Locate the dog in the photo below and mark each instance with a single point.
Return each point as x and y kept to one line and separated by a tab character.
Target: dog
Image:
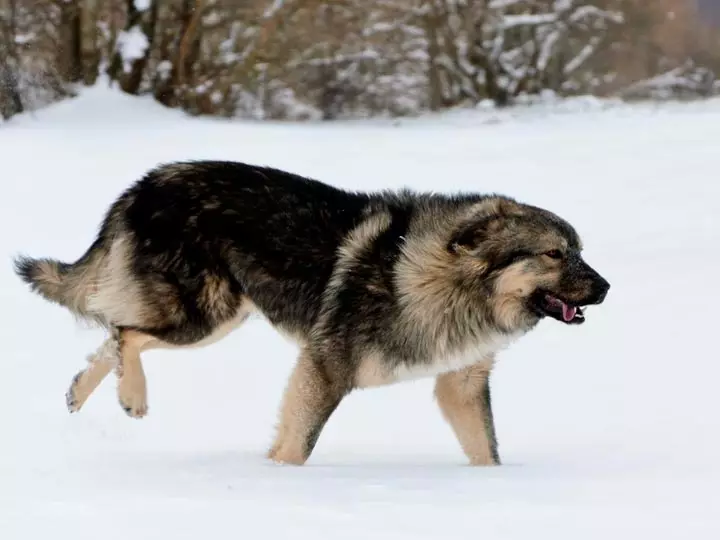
375	288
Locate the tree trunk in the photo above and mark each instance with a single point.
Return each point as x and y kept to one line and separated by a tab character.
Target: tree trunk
70	41
89	53
131	79
434	81
170	91
10	99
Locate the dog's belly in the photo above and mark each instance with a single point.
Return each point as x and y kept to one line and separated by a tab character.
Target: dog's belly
228	326
378	370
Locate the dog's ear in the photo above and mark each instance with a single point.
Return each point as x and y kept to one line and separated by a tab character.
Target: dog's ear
469	236
485	222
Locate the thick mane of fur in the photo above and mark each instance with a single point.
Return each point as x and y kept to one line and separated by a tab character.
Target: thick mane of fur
445	297
435	312
375	288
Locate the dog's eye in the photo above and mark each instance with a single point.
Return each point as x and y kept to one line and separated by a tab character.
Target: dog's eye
554	254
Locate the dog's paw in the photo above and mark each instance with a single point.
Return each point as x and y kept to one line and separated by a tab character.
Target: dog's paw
73	401
290	461
285	456
484	462
134	409
133	399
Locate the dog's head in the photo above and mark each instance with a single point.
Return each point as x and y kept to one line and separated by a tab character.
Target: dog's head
531	261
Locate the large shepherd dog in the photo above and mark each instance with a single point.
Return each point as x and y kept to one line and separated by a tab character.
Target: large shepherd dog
375	288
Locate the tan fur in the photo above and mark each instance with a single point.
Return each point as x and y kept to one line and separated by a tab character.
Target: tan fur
489	206
50	274
172	172
512	287
307	403
242	314
132	387
124	356
515	281
426	274
373	368
216	297
423	280
101	363
358	239
295	337
459	396
71	289
376	289
434	308
116	297
372	372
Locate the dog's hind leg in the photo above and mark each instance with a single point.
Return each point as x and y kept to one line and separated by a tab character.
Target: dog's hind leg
121	351
132	385
101	363
464	400
310	399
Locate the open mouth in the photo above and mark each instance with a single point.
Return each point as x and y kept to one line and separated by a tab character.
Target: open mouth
550	305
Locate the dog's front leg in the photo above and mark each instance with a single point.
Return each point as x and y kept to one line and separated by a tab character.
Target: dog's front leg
309	400
464	399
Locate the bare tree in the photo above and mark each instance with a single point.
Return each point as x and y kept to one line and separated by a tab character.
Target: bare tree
70	30
10	99
498	49
133	44
330	59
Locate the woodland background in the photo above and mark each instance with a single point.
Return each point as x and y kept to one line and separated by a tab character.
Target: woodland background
313	59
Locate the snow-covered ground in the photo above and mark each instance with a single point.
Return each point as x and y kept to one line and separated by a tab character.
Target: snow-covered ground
609	430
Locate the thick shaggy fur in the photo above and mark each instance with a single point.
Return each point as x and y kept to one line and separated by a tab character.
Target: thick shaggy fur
375	288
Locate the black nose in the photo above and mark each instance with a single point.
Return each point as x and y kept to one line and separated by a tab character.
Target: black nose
600	290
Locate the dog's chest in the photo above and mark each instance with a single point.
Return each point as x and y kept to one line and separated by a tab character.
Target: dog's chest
378	369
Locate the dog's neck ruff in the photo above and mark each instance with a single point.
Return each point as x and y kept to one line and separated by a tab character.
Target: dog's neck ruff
463	357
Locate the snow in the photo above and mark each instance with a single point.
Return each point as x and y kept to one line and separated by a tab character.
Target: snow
132	45
593	11
25	39
501	4
546	49
273	9
510	21
688	77
562	5
142	5
585	53
609	430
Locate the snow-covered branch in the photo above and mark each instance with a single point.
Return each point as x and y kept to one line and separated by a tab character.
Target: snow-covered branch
510	21
334	58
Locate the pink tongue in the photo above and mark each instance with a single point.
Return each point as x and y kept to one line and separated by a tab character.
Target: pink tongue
568	312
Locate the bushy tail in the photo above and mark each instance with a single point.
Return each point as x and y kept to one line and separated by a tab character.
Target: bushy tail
66	284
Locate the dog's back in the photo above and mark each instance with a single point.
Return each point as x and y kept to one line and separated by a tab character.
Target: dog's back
181	250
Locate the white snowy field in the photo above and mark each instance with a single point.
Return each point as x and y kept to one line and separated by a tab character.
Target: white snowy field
609	430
